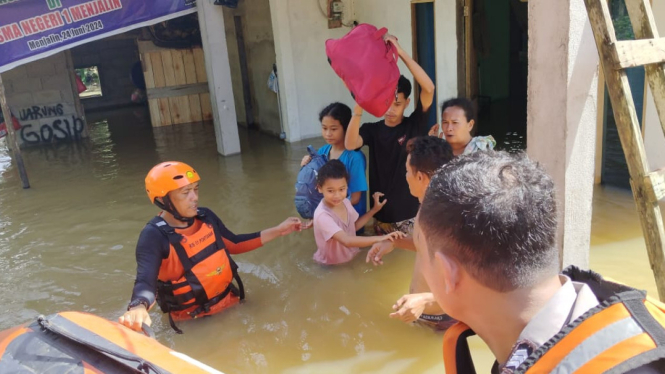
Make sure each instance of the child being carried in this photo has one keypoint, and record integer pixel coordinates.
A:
(336, 221)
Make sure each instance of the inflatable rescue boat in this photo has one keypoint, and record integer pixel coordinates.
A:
(74, 342)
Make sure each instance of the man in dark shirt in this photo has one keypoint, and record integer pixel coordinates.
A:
(387, 140)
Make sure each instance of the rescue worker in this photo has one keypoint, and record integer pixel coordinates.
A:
(183, 254)
(486, 231)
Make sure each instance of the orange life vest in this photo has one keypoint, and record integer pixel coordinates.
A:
(196, 278)
(76, 342)
(625, 331)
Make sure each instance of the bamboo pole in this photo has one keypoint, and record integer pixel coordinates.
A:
(11, 137)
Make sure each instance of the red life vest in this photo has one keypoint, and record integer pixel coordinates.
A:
(625, 331)
(196, 278)
(368, 67)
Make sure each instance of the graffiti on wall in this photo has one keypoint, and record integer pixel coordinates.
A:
(45, 124)
(56, 129)
(39, 112)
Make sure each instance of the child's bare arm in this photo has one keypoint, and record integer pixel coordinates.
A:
(355, 197)
(375, 209)
(364, 241)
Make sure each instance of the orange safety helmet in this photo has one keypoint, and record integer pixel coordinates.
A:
(169, 176)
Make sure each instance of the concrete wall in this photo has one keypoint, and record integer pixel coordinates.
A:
(260, 54)
(307, 81)
(598, 168)
(218, 68)
(654, 140)
(114, 56)
(561, 130)
(41, 95)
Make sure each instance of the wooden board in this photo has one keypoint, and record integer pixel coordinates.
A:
(178, 67)
(183, 90)
(201, 76)
(632, 53)
(179, 107)
(148, 75)
(164, 112)
(176, 84)
(155, 115)
(169, 70)
(644, 27)
(200, 64)
(195, 108)
(206, 107)
(190, 78)
(190, 67)
(180, 112)
(157, 69)
(472, 85)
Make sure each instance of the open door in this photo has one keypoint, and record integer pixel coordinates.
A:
(467, 59)
(424, 45)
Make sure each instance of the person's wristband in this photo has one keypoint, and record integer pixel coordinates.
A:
(138, 301)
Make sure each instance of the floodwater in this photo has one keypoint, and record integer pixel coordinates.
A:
(68, 244)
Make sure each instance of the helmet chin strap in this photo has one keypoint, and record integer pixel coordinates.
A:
(168, 206)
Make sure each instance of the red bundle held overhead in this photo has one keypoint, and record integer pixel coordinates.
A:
(367, 65)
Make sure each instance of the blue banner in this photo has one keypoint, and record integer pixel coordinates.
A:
(34, 29)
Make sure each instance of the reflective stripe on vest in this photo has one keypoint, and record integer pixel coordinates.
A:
(605, 337)
(623, 333)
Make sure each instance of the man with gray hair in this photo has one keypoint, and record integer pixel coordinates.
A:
(486, 231)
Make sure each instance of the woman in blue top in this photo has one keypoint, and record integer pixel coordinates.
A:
(335, 119)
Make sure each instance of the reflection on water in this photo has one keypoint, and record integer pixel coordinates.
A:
(617, 244)
(68, 244)
(512, 142)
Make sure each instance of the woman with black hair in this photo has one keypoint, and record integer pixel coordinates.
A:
(458, 118)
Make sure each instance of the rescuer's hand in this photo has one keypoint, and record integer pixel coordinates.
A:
(135, 318)
(289, 225)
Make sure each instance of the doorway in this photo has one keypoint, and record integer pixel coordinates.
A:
(424, 46)
(494, 66)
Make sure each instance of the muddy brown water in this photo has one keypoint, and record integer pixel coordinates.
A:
(68, 244)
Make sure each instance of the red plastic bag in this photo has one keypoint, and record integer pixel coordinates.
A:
(367, 65)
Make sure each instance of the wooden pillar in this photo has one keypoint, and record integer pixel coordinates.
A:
(11, 137)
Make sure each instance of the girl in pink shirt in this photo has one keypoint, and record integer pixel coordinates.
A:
(336, 221)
